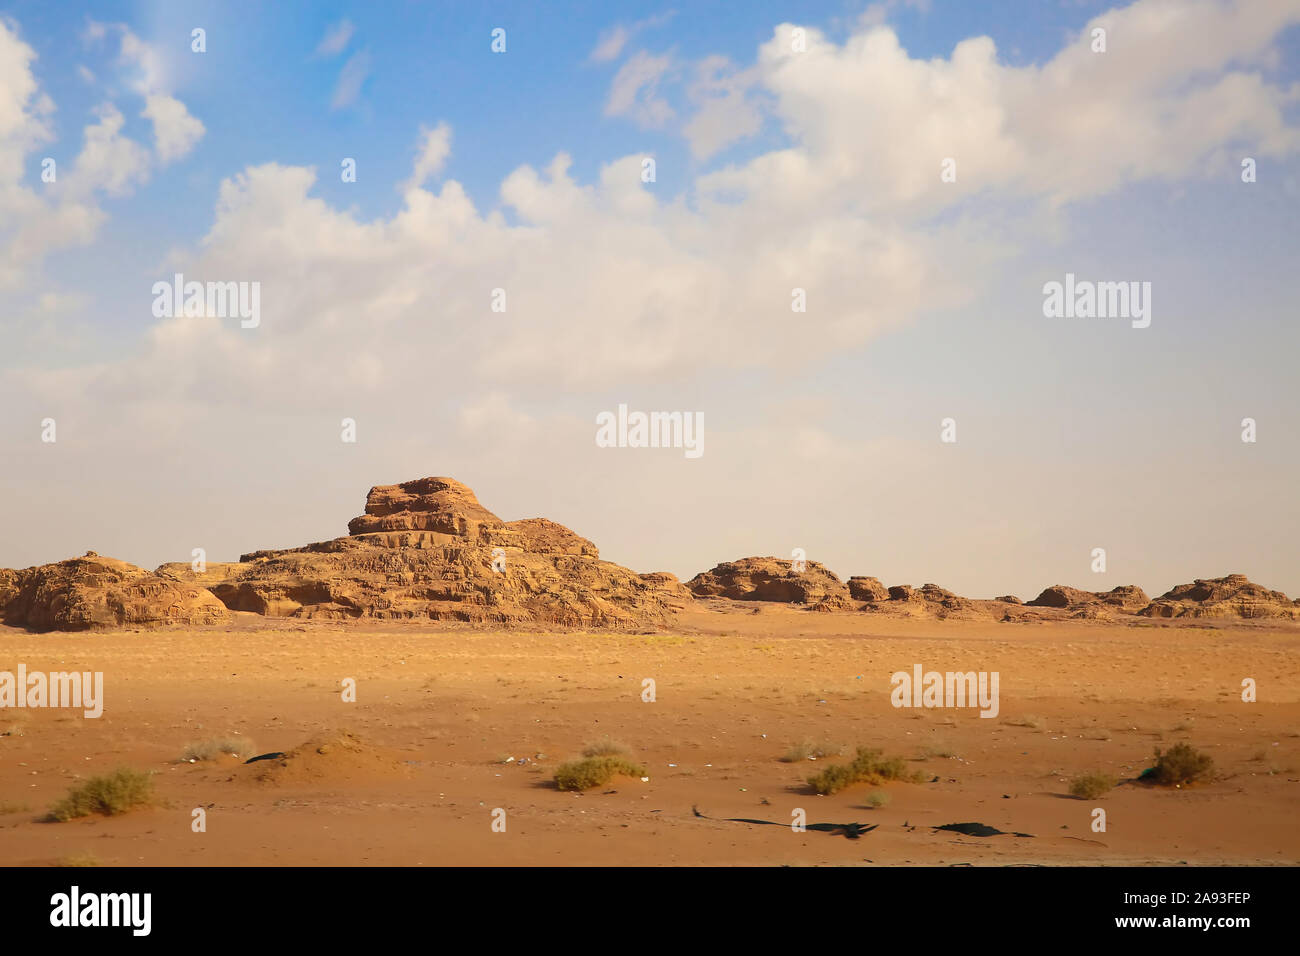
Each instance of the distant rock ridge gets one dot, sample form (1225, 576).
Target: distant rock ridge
(427, 549)
(775, 580)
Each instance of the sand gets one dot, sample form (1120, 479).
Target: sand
(439, 709)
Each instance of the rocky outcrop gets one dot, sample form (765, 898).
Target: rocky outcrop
(1226, 597)
(768, 579)
(95, 592)
(863, 588)
(1126, 597)
(428, 550)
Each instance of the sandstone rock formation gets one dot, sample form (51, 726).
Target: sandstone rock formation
(1126, 597)
(768, 579)
(427, 549)
(863, 588)
(1231, 596)
(94, 592)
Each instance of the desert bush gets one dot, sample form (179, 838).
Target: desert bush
(1180, 764)
(605, 747)
(811, 750)
(1089, 786)
(867, 766)
(117, 792)
(214, 747)
(877, 800)
(594, 772)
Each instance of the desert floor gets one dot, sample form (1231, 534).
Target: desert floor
(439, 709)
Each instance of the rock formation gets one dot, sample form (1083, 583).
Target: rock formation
(768, 579)
(867, 589)
(94, 592)
(1092, 604)
(428, 550)
(1231, 596)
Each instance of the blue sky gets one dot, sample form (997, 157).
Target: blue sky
(1118, 166)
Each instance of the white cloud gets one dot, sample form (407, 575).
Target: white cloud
(109, 161)
(175, 131)
(336, 38)
(610, 44)
(351, 77)
(634, 93)
(432, 153)
(727, 110)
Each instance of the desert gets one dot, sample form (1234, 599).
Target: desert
(389, 698)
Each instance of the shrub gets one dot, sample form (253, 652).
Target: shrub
(809, 750)
(1180, 764)
(594, 772)
(605, 747)
(867, 766)
(877, 800)
(1089, 786)
(214, 747)
(117, 792)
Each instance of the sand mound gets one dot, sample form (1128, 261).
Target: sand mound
(1231, 596)
(427, 550)
(328, 758)
(96, 592)
(767, 579)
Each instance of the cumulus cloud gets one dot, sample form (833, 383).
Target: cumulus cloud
(175, 131)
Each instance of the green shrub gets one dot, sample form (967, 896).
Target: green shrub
(594, 772)
(877, 800)
(1089, 786)
(1180, 764)
(117, 792)
(867, 766)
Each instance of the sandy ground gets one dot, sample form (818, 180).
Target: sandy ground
(439, 709)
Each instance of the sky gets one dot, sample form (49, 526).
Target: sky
(921, 169)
